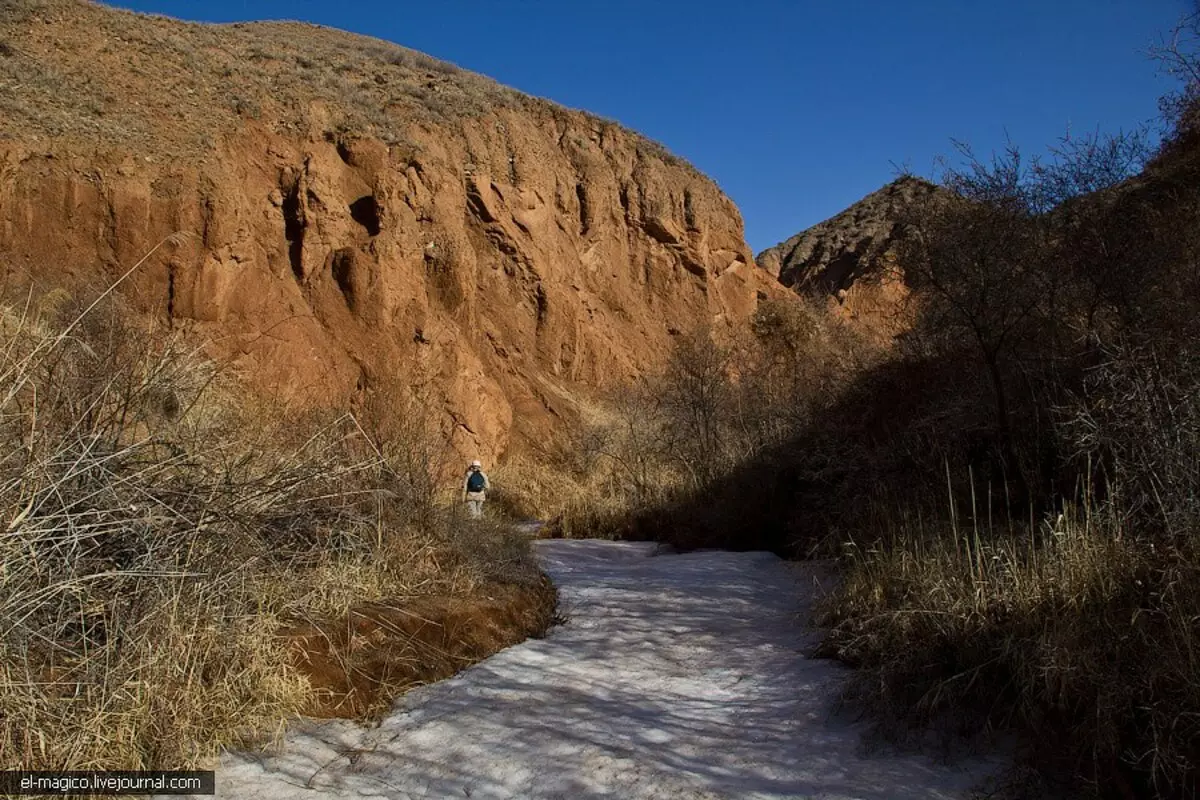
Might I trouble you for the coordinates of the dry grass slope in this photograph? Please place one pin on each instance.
(78, 70)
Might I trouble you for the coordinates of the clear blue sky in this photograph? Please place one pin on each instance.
(797, 108)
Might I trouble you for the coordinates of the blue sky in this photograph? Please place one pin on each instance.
(796, 108)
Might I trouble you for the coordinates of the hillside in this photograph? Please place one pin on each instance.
(359, 216)
(849, 258)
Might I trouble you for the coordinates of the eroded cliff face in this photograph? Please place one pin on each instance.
(505, 256)
(850, 260)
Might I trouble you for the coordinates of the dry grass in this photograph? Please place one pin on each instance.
(616, 464)
(358, 664)
(1073, 632)
(84, 72)
(158, 535)
(572, 503)
(195, 83)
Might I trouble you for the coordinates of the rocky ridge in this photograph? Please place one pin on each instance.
(849, 259)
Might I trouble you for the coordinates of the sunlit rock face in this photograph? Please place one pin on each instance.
(850, 260)
(356, 217)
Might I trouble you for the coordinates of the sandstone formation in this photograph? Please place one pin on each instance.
(357, 216)
(849, 259)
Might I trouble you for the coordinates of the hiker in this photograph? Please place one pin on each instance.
(475, 487)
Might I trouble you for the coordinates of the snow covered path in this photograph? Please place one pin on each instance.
(675, 676)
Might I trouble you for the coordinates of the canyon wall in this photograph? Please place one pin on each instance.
(345, 217)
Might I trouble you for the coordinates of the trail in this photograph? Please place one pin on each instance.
(674, 676)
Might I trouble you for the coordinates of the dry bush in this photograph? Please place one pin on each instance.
(159, 532)
(701, 454)
(796, 363)
(1139, 417)
(490, 551)
(1177, 58)
(123, 529)
(528, 488)
(722, 401)
(619, 459)
(1072, 632)
(692, 402)
(411, 454)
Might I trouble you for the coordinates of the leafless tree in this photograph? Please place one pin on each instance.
(695, 395)
(1176, 54)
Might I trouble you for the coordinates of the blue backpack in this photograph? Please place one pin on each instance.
(476, 481)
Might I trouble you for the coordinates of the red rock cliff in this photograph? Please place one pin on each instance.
(360, 214)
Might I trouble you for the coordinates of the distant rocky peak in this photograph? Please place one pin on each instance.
(831, 256)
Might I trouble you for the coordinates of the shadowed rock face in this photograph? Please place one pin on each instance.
(832, 255)
(360, 216)
(849, 258)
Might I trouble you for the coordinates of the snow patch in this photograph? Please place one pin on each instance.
(674, 676)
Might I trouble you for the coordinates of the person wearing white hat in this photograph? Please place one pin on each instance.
(475, 488)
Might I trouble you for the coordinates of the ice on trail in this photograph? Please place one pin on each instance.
(675, 676)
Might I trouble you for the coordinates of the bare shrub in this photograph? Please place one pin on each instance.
(160, 530)
(121, 528)
(620, 458)
(797, 360)
(700, 454)
(1139, 416)
(1073, 632)
(411, 455)
(1176, 55)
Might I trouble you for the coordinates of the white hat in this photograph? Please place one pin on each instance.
(477, 463)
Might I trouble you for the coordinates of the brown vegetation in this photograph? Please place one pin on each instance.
(1052, 589)
(698, 454)
(162, 537)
